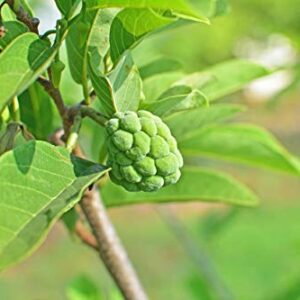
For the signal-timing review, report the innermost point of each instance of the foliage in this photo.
(34, 167)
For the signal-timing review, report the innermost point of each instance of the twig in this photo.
(56, 137)
(15, 109)
(72, 140)
(93, 114)
(23, 16)
(48, 32)
(85, 236)
(110, 248)
(55, 94)
(198, 254)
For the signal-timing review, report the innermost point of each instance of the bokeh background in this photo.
(199, 251)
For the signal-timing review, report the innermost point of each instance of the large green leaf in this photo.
(224, 78)
(184, 124)
(184, 8)
(37, 111)
(158, 66)
(195, 184)
(157, 84)
(104, 91)
(13, 29)
(242, 143)
(121, 89)
(130, 26)
(21, 62)
(89, 34)
(177, 98)
(38, 183)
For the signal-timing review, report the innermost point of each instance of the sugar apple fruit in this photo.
(142, 152)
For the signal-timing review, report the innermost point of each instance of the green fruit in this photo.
(142, 152)
(123, 140)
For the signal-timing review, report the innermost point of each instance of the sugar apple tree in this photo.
(145, 109)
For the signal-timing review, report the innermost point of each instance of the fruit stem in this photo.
(74, 133)
(15, 109)
(93, 114)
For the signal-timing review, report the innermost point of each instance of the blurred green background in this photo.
(253, 253)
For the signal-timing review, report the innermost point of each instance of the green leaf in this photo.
(158, 66)
(221, 7)
(37, 111)
(213, 8)
(241, 143)
(83, 288)
(76, 49)
(89, 34)
(177, 98)
(38, 183)
(155, 85)
(27, 7)
(93, 138)
(70, 219)
(13, 29)
(183, 8)
(7, 14)
(129, 27)
(199, 288)
(21, 62)
(224, 78)
(65, 6)
(184, 124)
(104, 91)
(195, 184)
(121, 89)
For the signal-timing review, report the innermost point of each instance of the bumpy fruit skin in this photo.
(142, 152)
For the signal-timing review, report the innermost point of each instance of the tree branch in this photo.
(55, 94)
(110, 248)
(99, 118)
(23, 16)
(85, 236)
